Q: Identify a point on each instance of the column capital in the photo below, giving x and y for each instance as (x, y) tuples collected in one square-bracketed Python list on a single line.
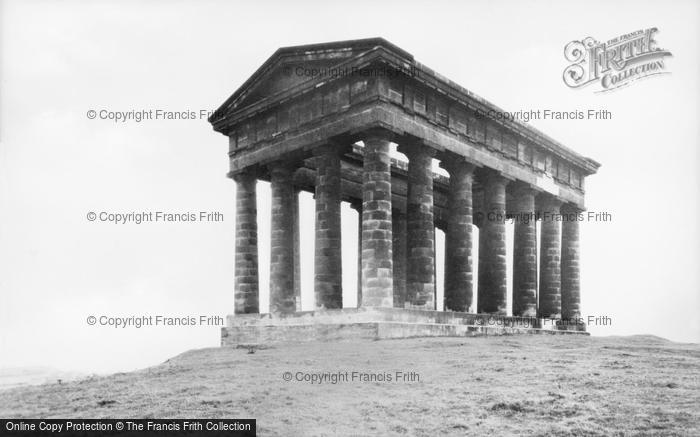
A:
[(548, 202), (330, 148), (244, 175), (571, 208), (283, 164), (457, 166), (495, 177), (524, 188), (377, 134), (415, 147)]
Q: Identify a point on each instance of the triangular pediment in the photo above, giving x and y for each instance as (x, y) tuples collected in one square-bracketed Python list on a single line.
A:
[(291, 66)]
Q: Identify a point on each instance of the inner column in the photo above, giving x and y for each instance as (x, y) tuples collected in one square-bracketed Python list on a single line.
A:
[(570, 274), (297, 250), (550, 258), (282, 299), (420, 226), (493, 279), (524, 253), (328, 268), (398, 221), (356, 204), (458, 238), (377, 263)]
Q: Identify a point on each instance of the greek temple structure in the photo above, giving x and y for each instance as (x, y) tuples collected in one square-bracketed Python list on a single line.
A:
[(322, 118)]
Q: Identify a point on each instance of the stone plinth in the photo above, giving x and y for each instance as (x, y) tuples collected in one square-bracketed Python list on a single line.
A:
[(378, 323)]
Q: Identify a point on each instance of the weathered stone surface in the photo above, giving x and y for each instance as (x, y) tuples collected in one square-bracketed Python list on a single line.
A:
[(570, 274), (420, 223), (282, 240), (287, 115), (377, 256), (328, 266), (378, 323), (550, 259), (493, 281), (398, 221), (524, 252), (287, 119), (458, 238), (246, 283)]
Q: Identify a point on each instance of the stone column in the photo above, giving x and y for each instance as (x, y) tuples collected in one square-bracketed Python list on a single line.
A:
[(478, 205), (356, 204), (420, 249), (377, 263), (435, 269), (328, 277), (524, 252), (398, 221), (570, 273), (282, 240), (246, 285), (458, 238), (493, 281), (550, 254), (297, 251)]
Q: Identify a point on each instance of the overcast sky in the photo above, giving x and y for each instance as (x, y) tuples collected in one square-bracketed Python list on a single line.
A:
[(60, 59)]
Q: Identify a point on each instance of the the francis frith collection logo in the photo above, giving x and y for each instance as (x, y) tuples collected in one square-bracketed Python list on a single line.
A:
[(615, 63)]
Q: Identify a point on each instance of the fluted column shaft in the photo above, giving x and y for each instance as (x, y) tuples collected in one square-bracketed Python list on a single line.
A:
[(398, 221), (550, 259), (328, 261), (524, 253), (420, 247), (458, 238), (570, 267), (282, 241), (377, 263), (246, 283), (493, 281)]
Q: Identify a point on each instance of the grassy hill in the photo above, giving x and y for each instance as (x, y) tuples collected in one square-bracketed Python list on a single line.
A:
[(532, 385)]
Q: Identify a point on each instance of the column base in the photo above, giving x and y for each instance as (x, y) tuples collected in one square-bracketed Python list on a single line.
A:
[(379, 323)]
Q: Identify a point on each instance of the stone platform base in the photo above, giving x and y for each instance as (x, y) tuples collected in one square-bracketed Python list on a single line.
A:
[(378, 323)]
